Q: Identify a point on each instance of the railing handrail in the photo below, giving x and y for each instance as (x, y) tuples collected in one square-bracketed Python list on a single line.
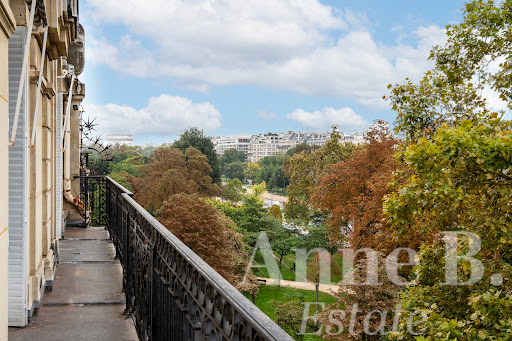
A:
[(121, 187), (252, 314)]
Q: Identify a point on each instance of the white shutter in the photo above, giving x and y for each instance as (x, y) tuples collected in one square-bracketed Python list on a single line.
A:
[(18, 197), (58, 175)]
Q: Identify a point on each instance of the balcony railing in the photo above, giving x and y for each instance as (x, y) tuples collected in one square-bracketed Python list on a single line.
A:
[(171, 292)]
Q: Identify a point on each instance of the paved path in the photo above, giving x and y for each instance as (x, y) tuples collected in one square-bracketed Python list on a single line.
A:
[(327, 288), (275, 197), (86, 302)]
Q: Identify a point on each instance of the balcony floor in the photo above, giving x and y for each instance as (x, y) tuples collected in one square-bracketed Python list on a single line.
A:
[(86, 302)]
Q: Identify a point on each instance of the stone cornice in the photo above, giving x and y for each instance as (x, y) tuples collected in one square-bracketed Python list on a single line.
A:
[(7, 20)]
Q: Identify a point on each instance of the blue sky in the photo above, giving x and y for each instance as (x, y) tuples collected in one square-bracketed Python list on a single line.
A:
[(157, 67)]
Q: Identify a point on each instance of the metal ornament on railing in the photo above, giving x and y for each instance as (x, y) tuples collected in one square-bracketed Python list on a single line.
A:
[(171, 293)]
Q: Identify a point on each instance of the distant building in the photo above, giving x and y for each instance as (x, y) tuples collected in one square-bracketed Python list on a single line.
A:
[(239, 142), (316, 139), (356, 138), (119, 139), (271, 144), (259, 146)]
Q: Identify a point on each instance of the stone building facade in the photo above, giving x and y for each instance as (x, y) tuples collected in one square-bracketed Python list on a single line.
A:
[(239, 142), (41, 48)]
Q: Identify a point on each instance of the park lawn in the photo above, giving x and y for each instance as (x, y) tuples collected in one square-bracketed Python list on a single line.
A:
[(289, 275), (265, 298), (265, 301)]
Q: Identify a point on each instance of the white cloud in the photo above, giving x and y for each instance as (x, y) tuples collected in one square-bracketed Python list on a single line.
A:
[(164, 115), (295, 45), (322, 120), (129, 57)]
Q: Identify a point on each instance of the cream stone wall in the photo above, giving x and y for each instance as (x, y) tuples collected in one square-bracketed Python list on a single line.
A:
[(43, 214), (7, 26)]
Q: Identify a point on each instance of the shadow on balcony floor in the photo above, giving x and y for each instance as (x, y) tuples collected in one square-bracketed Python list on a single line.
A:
[(86, 302)]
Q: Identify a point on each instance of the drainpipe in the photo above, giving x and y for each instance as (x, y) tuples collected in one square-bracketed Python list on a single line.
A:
[(67, 156)]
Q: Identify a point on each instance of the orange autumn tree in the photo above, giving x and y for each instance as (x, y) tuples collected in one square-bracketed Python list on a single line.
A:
[(353, 190), (169, 172), (208, 232)]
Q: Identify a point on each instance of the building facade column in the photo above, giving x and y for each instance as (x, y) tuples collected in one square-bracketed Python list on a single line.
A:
[(7, 27)]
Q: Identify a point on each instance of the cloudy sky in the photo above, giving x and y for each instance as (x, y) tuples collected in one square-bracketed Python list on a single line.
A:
[(157, 67)]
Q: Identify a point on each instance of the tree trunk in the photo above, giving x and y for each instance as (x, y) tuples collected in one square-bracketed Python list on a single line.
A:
[(316, 289)]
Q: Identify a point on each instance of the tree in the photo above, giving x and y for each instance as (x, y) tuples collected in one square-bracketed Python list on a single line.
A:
[(376, 304), (315, 238), (352, 192), (170, 172), (275, 211), (252, 170), (196, 138), (123, 178), (253, 219), (283, 242), (233, 190), (198, 170), (232, 155), (458, 151), (314, 268), (306, 169), (208, 232), (289, 316), (234, 170), (272, 172), (259, 189)]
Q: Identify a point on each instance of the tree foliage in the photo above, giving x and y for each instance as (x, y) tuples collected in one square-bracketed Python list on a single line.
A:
[(232, 155), (458, 150), (305, 170), (252, 170), (275, 211), (352, 192), (208, 232), (170, 172), (234, 170), (272, 172), (233, 190), (196, 138)]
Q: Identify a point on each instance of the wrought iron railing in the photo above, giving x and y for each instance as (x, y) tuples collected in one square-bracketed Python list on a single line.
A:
[(92, 194), (171, 292)]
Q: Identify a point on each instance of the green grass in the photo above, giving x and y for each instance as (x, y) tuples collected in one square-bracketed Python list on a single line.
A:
[(286, 273), (265, 298), (266, 303), (289, 275)]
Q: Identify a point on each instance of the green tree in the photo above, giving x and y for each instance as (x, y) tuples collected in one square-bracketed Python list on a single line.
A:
[(316, 238), (283, 243), (272, 172), (196, 138), (232, 155), (289, 317), (458, 150), (252, 170), (123, 178), (234, 170), (233, 190), (275, 211)]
